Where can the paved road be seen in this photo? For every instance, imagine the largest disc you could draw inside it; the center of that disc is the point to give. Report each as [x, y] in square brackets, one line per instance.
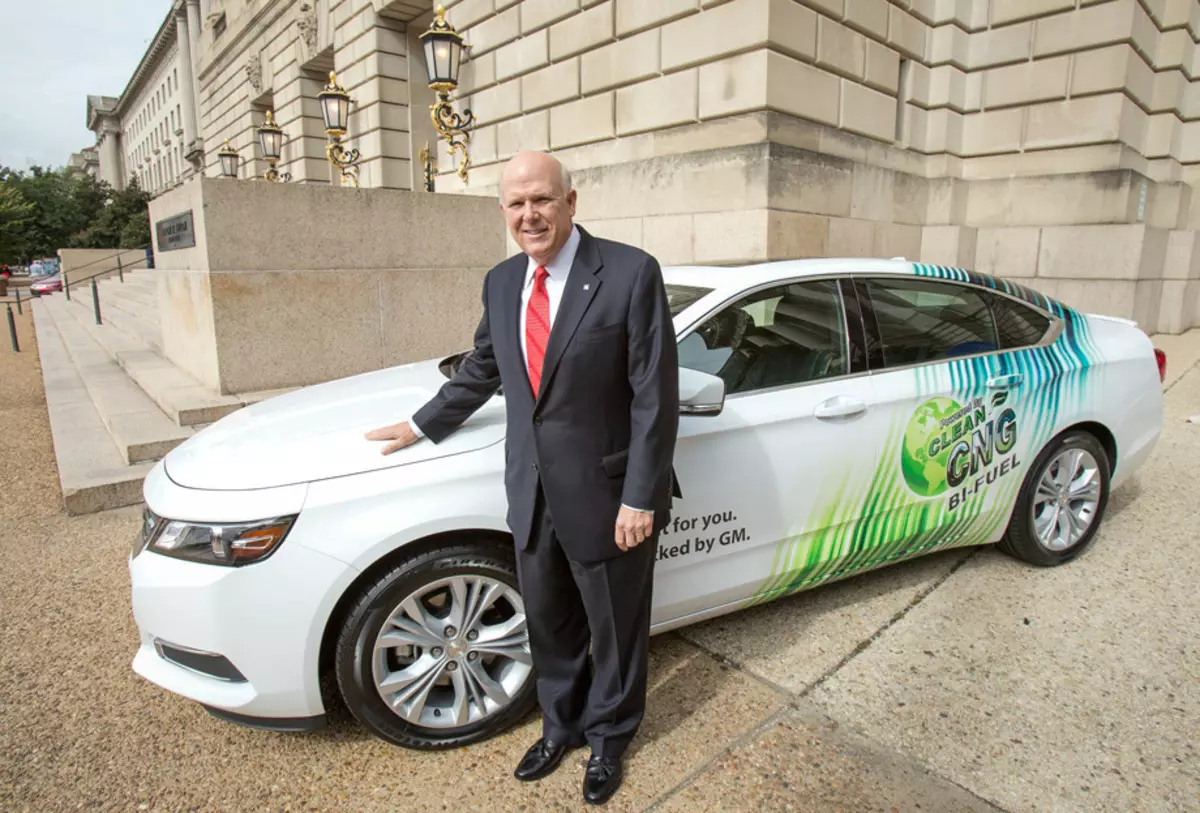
[963, 682]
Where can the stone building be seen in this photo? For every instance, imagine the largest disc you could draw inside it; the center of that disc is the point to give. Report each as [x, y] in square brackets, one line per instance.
[150, 131]
[1052, 140]
[85, 163]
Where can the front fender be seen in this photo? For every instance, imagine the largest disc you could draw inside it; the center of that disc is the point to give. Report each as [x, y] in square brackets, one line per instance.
[361, 519]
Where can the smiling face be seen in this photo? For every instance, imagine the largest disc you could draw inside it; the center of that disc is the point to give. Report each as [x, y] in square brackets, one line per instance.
[536, 205]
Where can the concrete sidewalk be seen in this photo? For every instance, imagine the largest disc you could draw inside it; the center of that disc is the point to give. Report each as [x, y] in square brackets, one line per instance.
[961, 682]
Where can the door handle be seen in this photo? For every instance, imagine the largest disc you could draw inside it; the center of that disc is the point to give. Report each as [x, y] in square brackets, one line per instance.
[1003, 382]
[840, 406]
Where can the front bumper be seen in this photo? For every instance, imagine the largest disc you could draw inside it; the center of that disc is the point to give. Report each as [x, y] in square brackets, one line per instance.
[266, 620]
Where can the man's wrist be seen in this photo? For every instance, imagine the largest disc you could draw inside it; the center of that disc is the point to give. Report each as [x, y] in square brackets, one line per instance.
[639, 510]
[416, 429]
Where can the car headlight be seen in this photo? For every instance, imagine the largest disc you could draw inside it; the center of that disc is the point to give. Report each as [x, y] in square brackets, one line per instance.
[232, 544]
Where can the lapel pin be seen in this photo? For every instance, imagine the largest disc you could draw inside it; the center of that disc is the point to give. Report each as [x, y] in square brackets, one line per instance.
[587, 287]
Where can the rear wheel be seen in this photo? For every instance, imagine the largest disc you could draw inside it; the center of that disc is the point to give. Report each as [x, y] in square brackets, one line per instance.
[435, 654]
[1061, 502]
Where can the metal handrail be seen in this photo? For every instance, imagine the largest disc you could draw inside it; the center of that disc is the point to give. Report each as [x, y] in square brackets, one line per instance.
[119, 268]
[66, 287]
[118, 254]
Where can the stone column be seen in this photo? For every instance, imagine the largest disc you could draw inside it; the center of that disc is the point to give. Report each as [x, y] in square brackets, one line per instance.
[371, 55]
[187, 85]
[299, 113]
[111, 169]
[195, 26]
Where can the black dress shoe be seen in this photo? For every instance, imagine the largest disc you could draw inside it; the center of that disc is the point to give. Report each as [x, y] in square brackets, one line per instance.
[602, 779]
[540, 760]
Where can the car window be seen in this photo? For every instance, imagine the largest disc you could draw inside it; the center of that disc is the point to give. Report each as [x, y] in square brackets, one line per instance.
[1017, 325]
[680, 296]
[925, 320]
[790, 334]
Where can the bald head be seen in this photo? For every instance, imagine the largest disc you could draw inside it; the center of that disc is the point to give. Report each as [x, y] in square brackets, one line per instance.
[538, 203]
[524, 165]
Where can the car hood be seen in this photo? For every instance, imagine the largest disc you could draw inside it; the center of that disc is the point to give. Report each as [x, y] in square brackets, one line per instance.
[316, 433]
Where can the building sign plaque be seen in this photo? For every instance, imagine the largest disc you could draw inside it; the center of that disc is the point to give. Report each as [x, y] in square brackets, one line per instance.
[176, 232]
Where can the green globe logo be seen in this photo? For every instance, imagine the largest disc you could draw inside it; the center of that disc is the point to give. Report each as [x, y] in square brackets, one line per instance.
[925, 474]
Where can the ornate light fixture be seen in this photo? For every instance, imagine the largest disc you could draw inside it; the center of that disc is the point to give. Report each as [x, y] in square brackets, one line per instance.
[229, 160]
[443, 57]
[335, 108]
[270, 138]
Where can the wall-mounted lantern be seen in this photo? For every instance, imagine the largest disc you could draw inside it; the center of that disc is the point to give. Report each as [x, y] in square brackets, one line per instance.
[443, 58]
[270, 138]
[335, 108]
[229, 160]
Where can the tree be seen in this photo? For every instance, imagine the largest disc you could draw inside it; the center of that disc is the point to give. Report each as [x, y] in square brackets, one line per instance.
[123, 223]
[64, 206]
[16, 214]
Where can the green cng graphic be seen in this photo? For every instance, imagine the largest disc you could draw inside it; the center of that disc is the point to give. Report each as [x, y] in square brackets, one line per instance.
[951, 446]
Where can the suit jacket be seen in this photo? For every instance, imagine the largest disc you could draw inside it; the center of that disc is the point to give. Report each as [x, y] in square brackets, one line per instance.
[602, 431]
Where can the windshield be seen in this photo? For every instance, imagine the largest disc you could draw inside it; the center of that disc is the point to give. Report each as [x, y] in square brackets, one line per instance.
[680, 296]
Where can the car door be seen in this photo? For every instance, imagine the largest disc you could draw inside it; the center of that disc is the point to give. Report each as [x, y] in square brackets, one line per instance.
[955, 450]
[763, 482]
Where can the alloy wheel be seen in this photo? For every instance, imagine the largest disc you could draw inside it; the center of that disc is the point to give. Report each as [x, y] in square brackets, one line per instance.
[454, 652]
[1066, 499]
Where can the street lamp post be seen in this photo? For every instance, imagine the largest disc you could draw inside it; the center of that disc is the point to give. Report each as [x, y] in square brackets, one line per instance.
[229, 160]
[443, 57]
[270, 138]
[335, 109]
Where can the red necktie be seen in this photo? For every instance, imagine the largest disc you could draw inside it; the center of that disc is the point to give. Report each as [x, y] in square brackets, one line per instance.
[537, 328]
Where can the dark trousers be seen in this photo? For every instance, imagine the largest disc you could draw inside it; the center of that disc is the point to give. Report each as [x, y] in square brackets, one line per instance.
[569, 604]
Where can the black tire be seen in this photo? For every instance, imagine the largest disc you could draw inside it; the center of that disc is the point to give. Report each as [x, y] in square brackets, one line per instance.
[1020, 540]
[355, 646]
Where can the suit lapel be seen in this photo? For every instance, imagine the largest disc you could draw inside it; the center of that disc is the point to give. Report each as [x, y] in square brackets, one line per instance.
[582, 285]
[507, 327]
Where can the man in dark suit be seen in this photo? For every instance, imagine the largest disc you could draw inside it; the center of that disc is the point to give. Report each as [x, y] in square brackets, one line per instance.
[578, 332]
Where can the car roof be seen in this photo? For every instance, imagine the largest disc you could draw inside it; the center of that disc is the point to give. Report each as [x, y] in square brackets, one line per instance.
[732, 278]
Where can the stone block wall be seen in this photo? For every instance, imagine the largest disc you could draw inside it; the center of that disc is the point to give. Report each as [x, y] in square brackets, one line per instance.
[257, 62]
[963, 80]
[277, 54]
[732, 131]
[370, 280]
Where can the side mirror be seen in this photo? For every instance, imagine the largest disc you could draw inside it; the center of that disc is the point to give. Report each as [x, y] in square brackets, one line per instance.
[700, 393]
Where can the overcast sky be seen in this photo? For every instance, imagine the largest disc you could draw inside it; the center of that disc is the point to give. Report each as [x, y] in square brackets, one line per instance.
[52, 55]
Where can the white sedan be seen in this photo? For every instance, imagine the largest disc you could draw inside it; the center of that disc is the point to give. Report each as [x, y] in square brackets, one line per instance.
[837, 416]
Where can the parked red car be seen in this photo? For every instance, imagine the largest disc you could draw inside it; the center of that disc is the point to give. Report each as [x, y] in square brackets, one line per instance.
[46, 286]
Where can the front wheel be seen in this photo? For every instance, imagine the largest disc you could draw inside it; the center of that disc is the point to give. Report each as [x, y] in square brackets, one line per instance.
[1061, 502]
[435, 654]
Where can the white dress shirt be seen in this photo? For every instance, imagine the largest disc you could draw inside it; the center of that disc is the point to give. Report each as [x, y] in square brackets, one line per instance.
[556, 283]
[558, 270]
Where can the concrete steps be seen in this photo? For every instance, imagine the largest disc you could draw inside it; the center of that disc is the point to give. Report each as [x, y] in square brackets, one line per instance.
[116, 404]
[141, 431]
[127, 311]
[186, 401]
[92, 473]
